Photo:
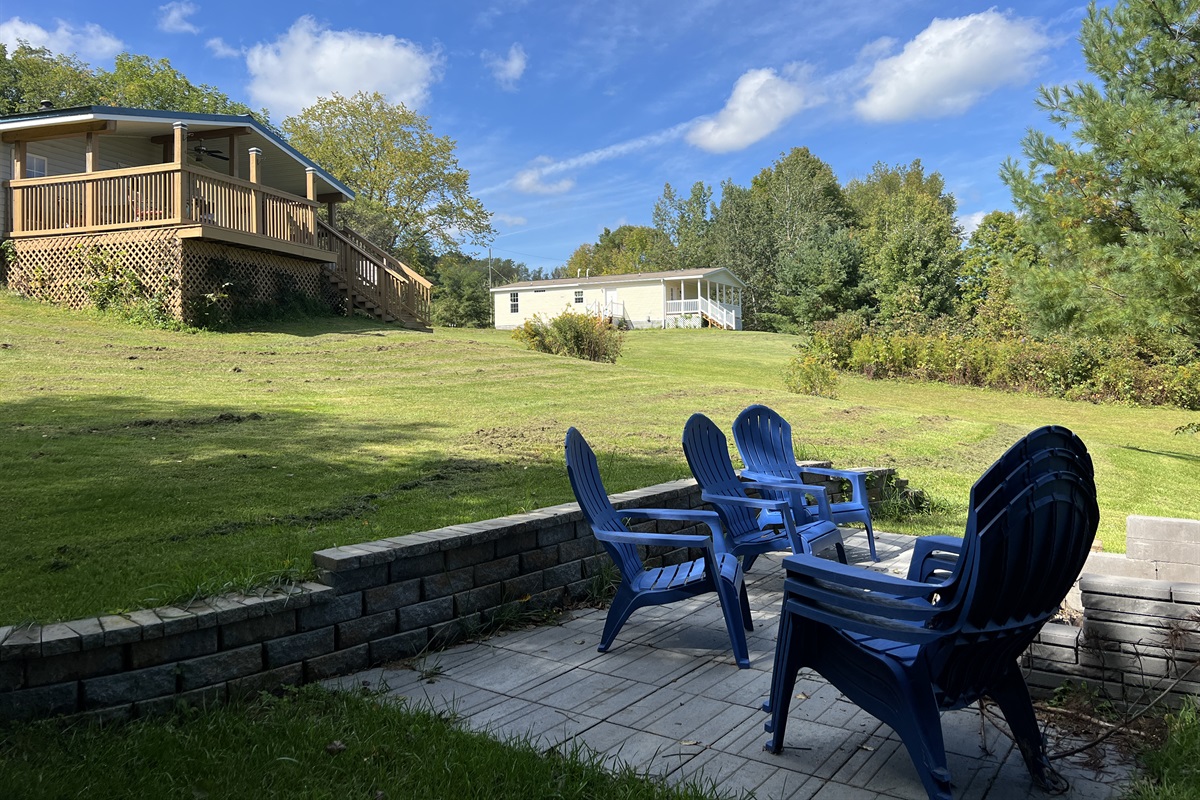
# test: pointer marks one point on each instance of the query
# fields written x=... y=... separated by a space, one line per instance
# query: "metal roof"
x=278 y=155
x=631 y=277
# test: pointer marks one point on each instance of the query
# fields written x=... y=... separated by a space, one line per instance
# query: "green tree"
x=910 y=241
x=816 y=261
x=29 y=75
x=628 y=249
x=141 y=82
x=684 y=224
x=1115 y=209
x=819 y=276
x=412 y=195
x=742 y=242
x=995 y=254
x=460 y=295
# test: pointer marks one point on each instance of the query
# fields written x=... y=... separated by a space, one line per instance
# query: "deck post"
x=310 y=177
x=256 y=193
x=91 y=161
x=18 y=196
x=179 y=144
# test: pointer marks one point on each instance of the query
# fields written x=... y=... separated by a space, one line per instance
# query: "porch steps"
x=372 y=281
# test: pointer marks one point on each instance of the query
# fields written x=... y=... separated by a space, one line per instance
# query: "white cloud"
x=969 y=222
x=311 y=61
x=951 y=65
x=507 y=70
x=173 y=17
x=533 y=179
x=510 y=219
x=218 y=48
x=89 y=41
x=760 y=103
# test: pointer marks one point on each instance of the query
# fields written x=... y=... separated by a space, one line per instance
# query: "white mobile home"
x=689 y=298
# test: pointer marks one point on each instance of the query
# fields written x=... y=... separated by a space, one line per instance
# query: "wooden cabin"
x=689 y=298
x=207 y=209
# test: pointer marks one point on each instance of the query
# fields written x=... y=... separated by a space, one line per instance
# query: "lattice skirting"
x=199 y=281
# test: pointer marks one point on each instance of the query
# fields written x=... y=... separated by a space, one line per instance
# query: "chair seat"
x=661 y=579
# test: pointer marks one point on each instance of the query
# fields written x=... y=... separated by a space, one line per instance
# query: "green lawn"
x=141 y=466
x=313 y=744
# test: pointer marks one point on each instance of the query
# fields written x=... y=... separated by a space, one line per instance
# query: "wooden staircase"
x=374 y=282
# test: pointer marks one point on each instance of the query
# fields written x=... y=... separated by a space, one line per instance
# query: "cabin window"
x=538 y=291
x=579 y=296
x=36 y=167
x=512 y=302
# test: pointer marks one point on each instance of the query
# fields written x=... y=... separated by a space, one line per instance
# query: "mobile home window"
x=579 y=296
x=512 y=302
x=36 y=166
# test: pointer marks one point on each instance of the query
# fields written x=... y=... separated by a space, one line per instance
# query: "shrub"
x=579 y=335
x=116 y=289
x=810 y=374
x=1095 y=370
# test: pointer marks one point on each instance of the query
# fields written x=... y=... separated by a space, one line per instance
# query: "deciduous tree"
x=409 y=184
x=910 y=241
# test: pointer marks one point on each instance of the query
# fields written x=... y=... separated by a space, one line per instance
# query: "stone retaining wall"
x=1141 y=619
x=375 y=602
x=391 y=599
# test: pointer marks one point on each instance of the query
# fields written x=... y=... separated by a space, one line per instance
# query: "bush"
x=1096 y=370
x=570 y=334
x=810 y=374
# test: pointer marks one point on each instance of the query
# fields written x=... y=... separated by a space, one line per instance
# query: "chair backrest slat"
x=584 y=474
x=707 y=452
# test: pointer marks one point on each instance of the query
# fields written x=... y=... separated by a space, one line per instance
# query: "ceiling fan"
x=201 y=151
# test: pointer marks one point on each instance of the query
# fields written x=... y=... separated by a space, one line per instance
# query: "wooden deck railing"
x=371 y=274
x=161 y=194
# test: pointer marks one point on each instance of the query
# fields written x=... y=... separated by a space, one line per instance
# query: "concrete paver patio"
x=668 y=700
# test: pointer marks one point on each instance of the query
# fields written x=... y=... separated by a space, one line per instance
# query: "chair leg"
x=731 y=606
x=748 y=561
x=921 y=732
x=623 y=604
x=841 y=553
x=744 y=600
x=870 y=537
x=1012 y=695
x=789 y=649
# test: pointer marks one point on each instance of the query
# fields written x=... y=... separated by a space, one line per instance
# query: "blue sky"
x=571 y=116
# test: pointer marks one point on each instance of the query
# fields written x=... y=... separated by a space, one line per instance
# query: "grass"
x=309 y=744
x=1172 y=771
x=143 y=466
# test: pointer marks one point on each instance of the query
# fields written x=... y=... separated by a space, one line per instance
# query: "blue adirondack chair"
x=707 y=452
x=904 y=652
x=764 y=440
x=936 y=557
x=716 y=571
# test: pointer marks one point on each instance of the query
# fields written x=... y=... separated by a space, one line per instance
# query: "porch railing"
x=375 y=279
x=724 y=315
x=157 y=195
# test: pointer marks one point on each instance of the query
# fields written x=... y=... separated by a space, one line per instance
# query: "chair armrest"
x=856 y=577
x=932 y=553
x=765 y=503
x=832 y=593
x=658 y=539
x=710 y=518
x=857 y=479
x=764 y=480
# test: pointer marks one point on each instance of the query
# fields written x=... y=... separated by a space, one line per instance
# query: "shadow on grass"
x=1188 y=457
x=116 y=503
